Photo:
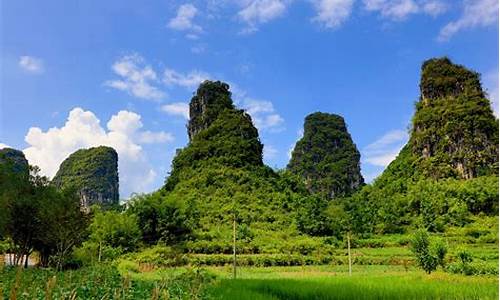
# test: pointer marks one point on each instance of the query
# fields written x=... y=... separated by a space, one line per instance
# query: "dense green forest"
x=219 y=193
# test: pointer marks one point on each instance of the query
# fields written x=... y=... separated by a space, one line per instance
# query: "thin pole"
x=234 y=247
x=349 y=251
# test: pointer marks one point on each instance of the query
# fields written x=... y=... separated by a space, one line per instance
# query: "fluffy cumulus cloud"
x=136 y=78
x=187 y=80
x=31 y=64
x=83 y=129
x=176 y=109
x=2 y=145
x=257 y=12
x=385 y=149
x=476 y=13
x=332 y=13
x=184 y=21
x=401 y=9
x=264 y=115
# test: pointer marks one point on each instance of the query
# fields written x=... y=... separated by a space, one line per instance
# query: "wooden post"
x=100 y=245
x=349 y=252
x=234 y=247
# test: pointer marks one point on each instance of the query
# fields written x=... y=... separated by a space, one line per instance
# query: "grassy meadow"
x=378 y=273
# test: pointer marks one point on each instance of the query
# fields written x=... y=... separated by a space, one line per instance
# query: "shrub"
x=427 y=255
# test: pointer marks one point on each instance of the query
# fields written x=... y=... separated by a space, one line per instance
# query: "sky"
x=77 y=74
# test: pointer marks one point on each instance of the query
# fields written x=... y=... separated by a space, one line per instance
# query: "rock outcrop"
x=218 y=133
x=211 y=99
x=454 y=132
x=14 y=159
x=326 y=157
x=93 y=173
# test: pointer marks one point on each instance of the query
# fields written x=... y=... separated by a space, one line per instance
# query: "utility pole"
x=234 y=246
x=349 y=251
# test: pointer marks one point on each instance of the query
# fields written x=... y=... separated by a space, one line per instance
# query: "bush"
x=427 y=255
x=159 y=256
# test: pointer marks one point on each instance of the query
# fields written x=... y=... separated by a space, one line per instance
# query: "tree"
x=166 y=220
x=115 y=229
x=428 y=256
x=63 y=226
x=22 y=202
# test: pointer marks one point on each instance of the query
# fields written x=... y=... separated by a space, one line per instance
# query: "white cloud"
x=476 y=13
x=258 y=12
x=177 y=109
x=264 y=115
x=137 y=78
x=398 y=10
x=189 y=80
x=434 y=8
x=31 y=64
x=385 y=149
x=83 y=130
x=2 y=145
x=183 y=21
x=332 y=13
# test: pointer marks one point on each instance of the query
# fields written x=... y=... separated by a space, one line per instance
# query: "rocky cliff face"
x=211 y=99
x=93 y=173
x=14 y=159
x=454 y=132
x=219 y=134
x=326 y=157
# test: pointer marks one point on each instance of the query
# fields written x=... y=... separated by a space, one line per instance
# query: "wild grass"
x=396 y=286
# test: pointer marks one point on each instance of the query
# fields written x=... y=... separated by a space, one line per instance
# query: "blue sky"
x=120 y=73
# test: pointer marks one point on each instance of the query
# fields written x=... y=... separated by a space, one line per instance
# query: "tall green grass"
x=413 y=286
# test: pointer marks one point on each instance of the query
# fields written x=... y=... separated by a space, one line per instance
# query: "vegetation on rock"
x=14 y=159
x=93 y=173
x=326 y=157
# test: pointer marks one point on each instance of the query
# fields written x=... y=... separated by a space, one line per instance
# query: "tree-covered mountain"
x=219 y=177
x=219 y=134
x=93 y=173
x=326 y=157
x=454 y=131
x=447 y=173
x=14 y=160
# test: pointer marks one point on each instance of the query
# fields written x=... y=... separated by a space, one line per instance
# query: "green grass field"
x=379 y=273
x=308 y=282
x=367 y=282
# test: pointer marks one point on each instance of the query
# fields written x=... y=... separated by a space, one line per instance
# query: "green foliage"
x=326 y=157
x=455 y=133
x=14 y=161
x=159 y=256
x=101 y=282
x=162 y=221
x=428 y=256
x=36 y=216
x=115 y=229
x=464 y=256
x=92 y=172
x=212 y=98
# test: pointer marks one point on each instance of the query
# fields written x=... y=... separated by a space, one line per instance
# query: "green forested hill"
x=93 y=173
x=218 y=177
x=326 y=157
x=448 y=172
x=14 y=160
